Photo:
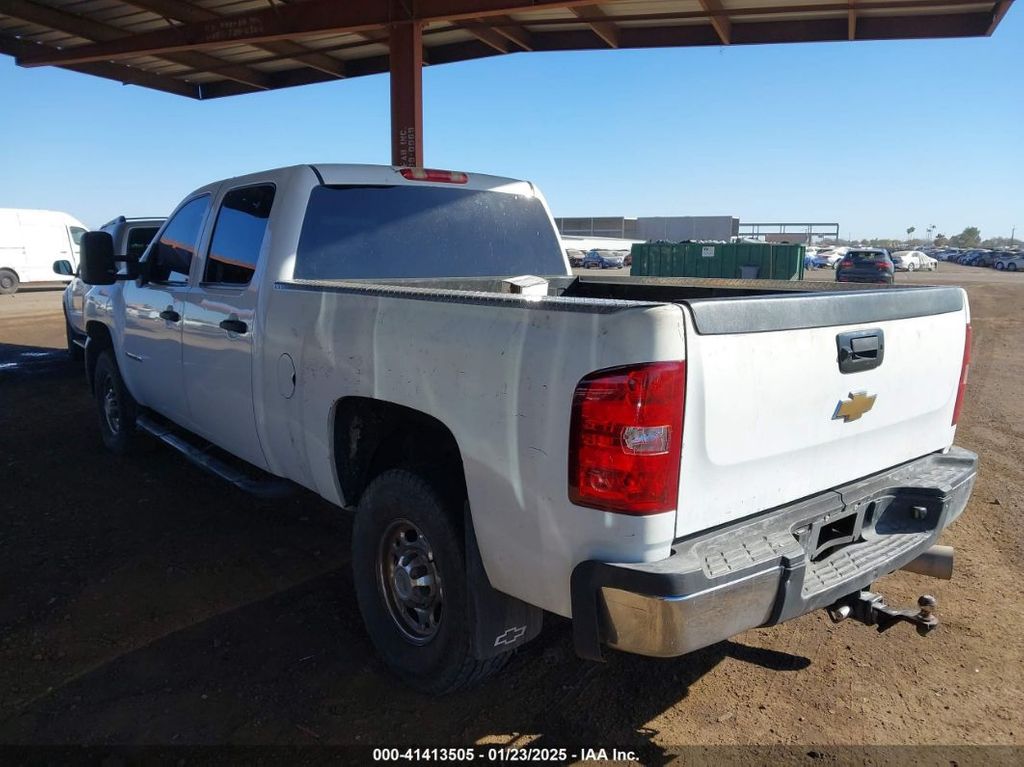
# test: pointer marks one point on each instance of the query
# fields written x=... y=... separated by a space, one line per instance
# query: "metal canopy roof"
x=212 y=48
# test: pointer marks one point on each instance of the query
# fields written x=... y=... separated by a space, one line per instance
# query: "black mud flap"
x=502 y=623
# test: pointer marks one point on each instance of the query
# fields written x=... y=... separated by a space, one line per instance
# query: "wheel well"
x=98 y=340
x=372 y=436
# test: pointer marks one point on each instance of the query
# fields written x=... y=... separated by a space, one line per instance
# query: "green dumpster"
x=733 y=260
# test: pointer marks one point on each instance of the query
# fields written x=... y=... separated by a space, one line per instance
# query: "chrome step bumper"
x=771 y=567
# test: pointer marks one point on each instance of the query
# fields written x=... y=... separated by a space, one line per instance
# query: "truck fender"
x=502 y=623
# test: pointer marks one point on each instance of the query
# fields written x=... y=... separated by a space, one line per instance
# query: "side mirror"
x=96 y=259
x=63 y=268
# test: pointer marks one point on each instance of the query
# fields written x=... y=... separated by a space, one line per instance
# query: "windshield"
x=374 y=232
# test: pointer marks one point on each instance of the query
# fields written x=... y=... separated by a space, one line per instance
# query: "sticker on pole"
x=708 y=251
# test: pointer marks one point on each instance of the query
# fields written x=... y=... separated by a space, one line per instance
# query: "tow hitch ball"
x=870 y=609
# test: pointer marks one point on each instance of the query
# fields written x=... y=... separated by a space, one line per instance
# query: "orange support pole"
x=407 y=94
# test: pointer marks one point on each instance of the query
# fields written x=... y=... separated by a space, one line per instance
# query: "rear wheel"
x=409 y=569
x=115 y=405
x=1012 y=266
x=8 y=282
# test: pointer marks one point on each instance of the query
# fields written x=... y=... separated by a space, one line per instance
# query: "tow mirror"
x=63 y=268
x=96 y=258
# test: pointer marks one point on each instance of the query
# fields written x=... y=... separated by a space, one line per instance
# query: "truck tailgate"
x=766 y=422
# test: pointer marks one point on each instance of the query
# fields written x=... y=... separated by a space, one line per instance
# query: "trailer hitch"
x=870 y=609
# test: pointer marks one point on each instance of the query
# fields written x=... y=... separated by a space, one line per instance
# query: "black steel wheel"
x=409 y=569
x=115 y=405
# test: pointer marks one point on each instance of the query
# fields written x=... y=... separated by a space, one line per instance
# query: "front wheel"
x=1011 y=266
x=8 y=282
x=116 y=407
x=410 y=578
x=911 y=267
x=1000 y=265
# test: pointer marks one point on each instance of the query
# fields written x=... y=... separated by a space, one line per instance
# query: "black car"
x=866 y=265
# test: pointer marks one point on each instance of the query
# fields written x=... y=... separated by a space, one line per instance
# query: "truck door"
x=154 y=312
x=221 y=325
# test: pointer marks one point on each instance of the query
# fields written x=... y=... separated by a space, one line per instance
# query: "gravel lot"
x=144 y=602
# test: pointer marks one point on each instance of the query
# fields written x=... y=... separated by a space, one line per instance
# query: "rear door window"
x=238 y=235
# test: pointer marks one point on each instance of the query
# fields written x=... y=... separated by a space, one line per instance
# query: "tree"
x=940 y=240
x=996 y=242
x=910 y=232
x=968 y=238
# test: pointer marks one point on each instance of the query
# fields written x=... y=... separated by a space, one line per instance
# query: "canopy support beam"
x=407 y=94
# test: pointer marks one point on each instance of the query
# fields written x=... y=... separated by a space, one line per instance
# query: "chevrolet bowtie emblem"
x=853 y=408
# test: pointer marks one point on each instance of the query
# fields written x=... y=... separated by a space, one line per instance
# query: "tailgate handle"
x=860 y=350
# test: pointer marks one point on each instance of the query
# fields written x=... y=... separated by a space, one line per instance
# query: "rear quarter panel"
x=501 y=376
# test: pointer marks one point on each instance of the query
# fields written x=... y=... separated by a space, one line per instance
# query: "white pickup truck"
x=667 y=462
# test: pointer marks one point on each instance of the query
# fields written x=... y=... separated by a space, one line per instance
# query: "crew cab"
x=628 y=452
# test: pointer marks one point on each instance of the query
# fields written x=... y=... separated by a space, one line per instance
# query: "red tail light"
x=432 y=174
x=964 y=369
x=625 y=438
x=845 y=263
x=884 y=265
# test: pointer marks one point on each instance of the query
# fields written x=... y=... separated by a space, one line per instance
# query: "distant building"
x=672 y=228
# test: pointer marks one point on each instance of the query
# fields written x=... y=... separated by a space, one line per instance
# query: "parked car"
x=131 y=238
x=509 y=454
x=912 y=260
x=866 y=265
x=575 y=256
x=1013 y=263
x=831 y=257
x=604 y=259
x=31 y=240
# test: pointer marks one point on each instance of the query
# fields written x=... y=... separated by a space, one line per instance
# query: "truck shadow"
x=146 y=603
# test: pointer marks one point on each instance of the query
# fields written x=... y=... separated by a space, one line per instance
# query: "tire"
x=115 y=407
x=911 y=267
x=8 y=282
x=1000 y=265
x=401 y=517
x=75 y=352
x=1011 y=267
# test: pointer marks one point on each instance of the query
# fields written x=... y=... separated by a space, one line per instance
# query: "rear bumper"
x=772 y=567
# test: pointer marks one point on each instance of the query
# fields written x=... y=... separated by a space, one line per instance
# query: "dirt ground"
x=143 y=602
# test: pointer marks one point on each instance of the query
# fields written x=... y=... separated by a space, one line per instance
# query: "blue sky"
x=878 y=136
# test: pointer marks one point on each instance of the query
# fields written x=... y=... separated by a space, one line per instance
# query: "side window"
x=139 y=238
x=76 y=234
x=238 y=235
x=171 y=255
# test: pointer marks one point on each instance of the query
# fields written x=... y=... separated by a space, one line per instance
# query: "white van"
x=31 y=240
